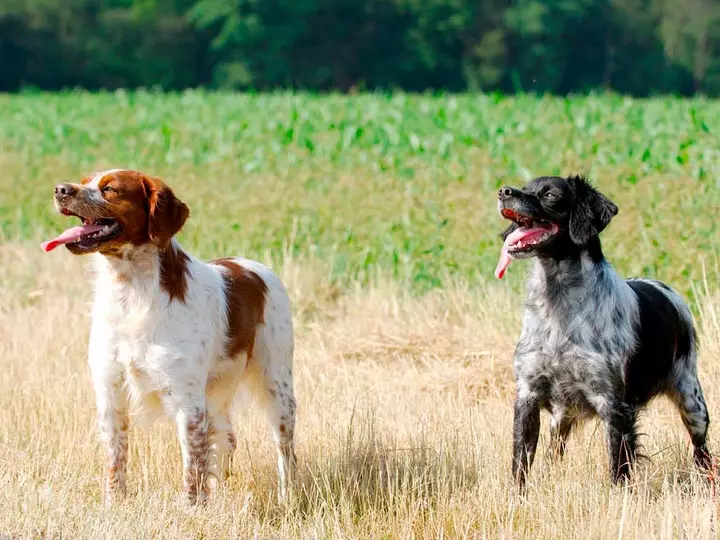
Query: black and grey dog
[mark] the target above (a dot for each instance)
(592, 343)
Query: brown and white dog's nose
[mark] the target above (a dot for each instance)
(506, 192)
(64, 190)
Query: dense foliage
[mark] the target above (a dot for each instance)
(638, 47)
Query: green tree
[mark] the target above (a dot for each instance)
(691, 37)
(638, 47)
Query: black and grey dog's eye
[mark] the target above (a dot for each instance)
(549, 195)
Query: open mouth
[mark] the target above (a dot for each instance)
(530, 234)
(92, 232)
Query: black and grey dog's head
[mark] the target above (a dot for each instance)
(552, 216)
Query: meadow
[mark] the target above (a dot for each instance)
(379, 212)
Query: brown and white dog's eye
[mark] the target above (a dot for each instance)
(108, 189)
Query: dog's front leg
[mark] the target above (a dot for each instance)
(526, 430)
(621, 439)
(112, 413)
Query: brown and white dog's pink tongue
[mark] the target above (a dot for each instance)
(73, 234)
(521, 236)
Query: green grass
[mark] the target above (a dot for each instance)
(401, 185)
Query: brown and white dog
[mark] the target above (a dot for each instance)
(175, 334)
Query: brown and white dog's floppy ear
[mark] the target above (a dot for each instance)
(166, 213)
(591, 211)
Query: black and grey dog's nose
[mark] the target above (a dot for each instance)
(65, 190)
(506, 192)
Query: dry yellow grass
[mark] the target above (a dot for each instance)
(404, 427)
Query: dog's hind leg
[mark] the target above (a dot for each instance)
(687, 395)
(269, 374)
(221, 436)
(280, 409)
(270, 378)
(222, 445)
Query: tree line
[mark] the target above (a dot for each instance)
(637, 47)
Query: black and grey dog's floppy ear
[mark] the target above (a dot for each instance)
(591, 211)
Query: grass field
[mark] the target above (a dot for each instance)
(379, 213)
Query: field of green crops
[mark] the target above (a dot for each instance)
(402, 185)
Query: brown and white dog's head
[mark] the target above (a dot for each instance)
(119, 209)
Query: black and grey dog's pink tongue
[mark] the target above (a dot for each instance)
(503, 263)
(516, 236)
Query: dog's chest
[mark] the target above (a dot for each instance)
(151, 332)
(565, 362)
(138, 338)
(568, 364)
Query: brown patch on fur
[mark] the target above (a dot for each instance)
(167, 212)
(245, 295)
(173, 272)
(125, 201)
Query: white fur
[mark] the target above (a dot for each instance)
(92, 188)
(153, 355)
(95, 180)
